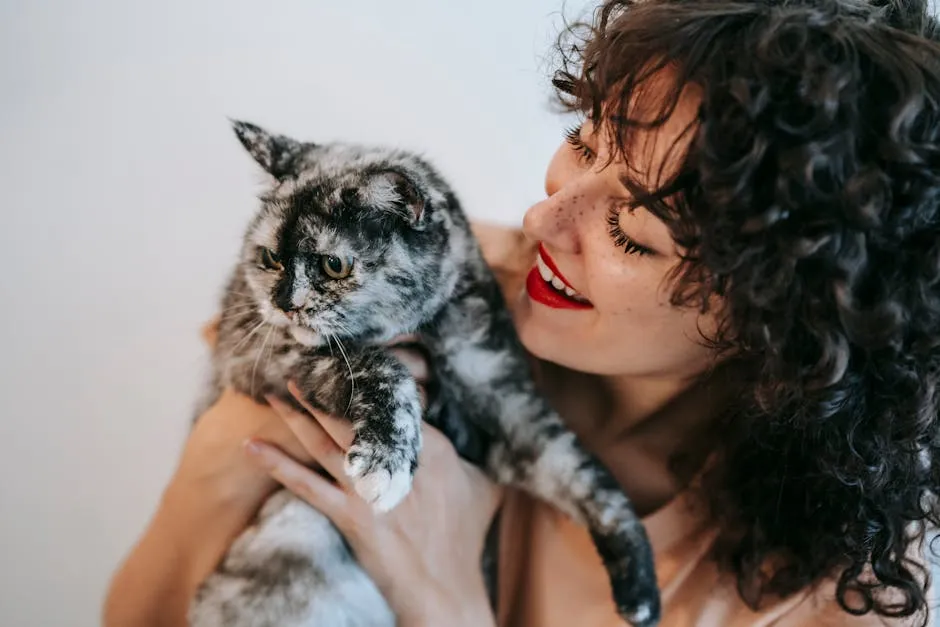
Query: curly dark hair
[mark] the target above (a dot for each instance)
(808, 198)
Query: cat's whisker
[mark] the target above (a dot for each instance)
(234, 311)
(343, 327)
(244, 304)
(352, 377)
(239, 308)
(248, 335)
(254, 368)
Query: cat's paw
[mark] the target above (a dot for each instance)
(380, 474)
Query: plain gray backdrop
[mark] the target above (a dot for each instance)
(124, 195)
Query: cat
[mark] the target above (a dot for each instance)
(352, 247)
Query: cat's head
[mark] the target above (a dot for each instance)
(350, 241)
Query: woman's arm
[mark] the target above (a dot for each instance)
(213, 494)
(425, 555)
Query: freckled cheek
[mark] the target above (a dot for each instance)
(566, 214)
(619, 288)
(583, 211)
(561, 214)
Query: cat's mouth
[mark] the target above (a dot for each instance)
(301, 329)
(305, 335)
(297, 323)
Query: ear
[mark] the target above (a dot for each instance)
(275, 153)
(391, 190)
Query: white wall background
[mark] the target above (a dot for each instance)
(123, 199)
(124, 194)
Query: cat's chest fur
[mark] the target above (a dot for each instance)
(251, 355)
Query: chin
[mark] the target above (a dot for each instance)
(543, 343)
(556, 344)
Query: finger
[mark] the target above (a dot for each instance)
(341, 431)
(210, 332)
(415, 362)
(489, 494)
(314, 439)
(409, 338)
(306, 484)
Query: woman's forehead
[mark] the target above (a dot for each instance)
(649, 141)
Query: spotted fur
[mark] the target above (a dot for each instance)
(415, 268)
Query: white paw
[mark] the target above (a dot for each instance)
(380, 488)
(641, 615)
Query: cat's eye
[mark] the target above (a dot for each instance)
(337, 267)
(269, 259)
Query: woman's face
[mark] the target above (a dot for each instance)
(618, 261)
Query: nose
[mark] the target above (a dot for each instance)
(292, 292)
(283, 294)
(554, 220)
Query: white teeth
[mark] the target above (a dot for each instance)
(543, 269)
(549, 277)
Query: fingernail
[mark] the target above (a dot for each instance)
(259, 454)
(252, 447)
(293, 389)
(282, 409)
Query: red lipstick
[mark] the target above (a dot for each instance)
(548, 286)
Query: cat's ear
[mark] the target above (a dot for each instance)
(275, 153)
(391, 190)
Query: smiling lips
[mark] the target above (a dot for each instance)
(546, 285)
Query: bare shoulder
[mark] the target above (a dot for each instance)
(818, 608)
(508, 253)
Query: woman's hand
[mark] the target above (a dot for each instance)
(210, 499)
(213, 495)
(213, 471)
(425, 554)
(213, 466)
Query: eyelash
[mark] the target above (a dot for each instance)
(573, 137)
(621, 239)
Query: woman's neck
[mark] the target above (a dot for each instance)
(652, 434)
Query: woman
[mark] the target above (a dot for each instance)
(749, 215)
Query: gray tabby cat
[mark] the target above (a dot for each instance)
(352, 247)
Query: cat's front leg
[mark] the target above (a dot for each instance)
(476, 351)
(545, 460)
(375, 391)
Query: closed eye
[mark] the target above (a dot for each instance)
(621, 239)
(585, 153)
